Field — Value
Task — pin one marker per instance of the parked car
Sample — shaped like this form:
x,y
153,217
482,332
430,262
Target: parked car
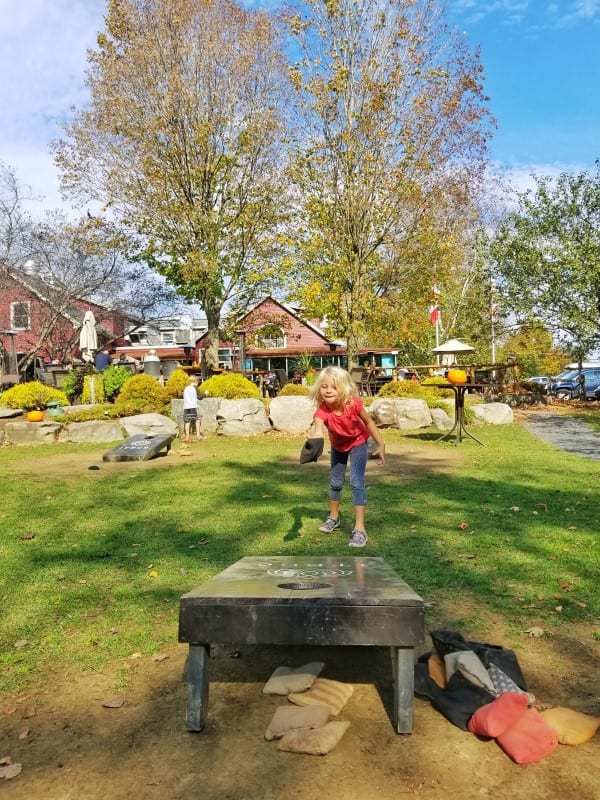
x,y
538,383
568,387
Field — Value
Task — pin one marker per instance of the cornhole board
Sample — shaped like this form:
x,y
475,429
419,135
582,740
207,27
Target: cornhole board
x,y
285,600
140,447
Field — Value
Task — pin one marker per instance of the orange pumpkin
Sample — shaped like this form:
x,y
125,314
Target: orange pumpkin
x,y
35,416
457,376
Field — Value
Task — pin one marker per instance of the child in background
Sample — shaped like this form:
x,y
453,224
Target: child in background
x,y
190,410
349,427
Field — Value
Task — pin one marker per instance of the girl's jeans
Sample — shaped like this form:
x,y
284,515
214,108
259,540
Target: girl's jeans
x,y
358,465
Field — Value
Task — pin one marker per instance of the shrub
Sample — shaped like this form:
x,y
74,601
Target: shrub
x,y
114,378
430,394
98,412
231,386
291,389
32,395
86,391
142,394
176,383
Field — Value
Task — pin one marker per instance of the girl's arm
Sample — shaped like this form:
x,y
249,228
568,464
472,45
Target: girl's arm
x,y
374,432
318,427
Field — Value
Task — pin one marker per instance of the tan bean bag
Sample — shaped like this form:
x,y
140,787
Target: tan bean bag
x,y
287,679
332,694
572,727
316,742
290,718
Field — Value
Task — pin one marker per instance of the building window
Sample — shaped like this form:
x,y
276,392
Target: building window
x,y
167,337
270,337
20,316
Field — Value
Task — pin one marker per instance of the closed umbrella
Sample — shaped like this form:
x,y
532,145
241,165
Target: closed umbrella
x,y
88,338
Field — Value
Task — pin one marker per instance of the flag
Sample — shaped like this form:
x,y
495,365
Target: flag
x,y
434,314
435,291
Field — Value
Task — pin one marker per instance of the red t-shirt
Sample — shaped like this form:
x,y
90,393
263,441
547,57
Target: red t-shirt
x,y
346,430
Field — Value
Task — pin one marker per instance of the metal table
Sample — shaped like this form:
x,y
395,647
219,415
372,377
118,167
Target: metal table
x,y
281,600
459,426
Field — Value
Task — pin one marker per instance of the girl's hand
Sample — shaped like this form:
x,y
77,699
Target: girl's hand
x,y
379,454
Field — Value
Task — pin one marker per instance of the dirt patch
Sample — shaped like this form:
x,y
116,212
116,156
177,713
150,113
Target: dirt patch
x,y
71,746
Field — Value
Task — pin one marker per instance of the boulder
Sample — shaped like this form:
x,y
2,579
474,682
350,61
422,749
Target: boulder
x,y
291,414
406,413
246,417
9,413
91,431
493,413
148,424
441,419
21,433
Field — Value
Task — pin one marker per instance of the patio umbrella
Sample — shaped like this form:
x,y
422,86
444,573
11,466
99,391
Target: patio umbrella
x,y
453,346
88,338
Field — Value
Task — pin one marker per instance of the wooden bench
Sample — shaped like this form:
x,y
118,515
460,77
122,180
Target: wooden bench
x,y
140,447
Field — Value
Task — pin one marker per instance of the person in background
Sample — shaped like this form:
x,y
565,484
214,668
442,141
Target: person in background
x,y
349,427
190,410
103,359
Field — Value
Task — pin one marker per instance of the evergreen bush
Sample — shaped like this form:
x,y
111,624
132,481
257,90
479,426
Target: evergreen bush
x,y
230,386
176,383
293,389
86,391
142,394
32,395
114,377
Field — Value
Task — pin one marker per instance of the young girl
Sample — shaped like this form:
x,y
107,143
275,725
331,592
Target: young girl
x,y
349,427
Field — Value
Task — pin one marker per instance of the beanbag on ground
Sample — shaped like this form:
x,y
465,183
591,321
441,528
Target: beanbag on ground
x,y
530,739
315,743
572,727
287,679
436,668
290,718
470,666
332,694
495,718
502,683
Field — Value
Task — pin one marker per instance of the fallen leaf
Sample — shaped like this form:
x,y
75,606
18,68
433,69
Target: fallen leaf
x,y
159,657
8,710
566,586
514,508
27,536
25,734
559,609
28,712
153,574
115,702
543,505
11,770
135,655
572,528
580,604
463,526
20,644
535,631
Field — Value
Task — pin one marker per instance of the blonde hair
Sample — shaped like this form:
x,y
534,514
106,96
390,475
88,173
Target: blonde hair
x,y
194,380
341,380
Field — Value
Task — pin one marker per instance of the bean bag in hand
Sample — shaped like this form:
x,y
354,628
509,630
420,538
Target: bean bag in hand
x,y
312,449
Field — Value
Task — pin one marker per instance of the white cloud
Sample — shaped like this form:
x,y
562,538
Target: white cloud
x,y
42,62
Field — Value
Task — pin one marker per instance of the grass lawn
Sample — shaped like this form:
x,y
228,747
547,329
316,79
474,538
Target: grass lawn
x,y
93,564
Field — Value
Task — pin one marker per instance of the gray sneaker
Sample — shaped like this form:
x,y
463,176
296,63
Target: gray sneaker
x,y
358,539
330,525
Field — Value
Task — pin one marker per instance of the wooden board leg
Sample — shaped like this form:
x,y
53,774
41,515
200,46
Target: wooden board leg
x,y
404,688
197,687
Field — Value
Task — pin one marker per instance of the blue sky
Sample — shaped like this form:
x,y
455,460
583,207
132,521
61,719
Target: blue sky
x,y
541,61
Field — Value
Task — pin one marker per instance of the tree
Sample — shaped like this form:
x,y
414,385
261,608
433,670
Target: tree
x,y
394,130
547,256
182,142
